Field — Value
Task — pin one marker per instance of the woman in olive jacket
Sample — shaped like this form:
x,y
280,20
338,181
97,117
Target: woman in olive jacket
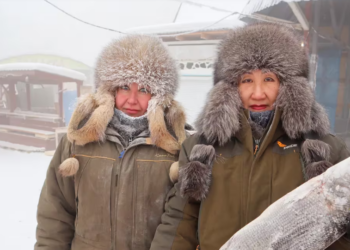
x,y
260,135
107,182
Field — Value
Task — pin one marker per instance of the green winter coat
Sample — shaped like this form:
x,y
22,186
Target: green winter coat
x,y
111,203
95,197
243,185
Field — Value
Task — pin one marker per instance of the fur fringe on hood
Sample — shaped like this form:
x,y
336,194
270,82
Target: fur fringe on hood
x,y
136,58
268,47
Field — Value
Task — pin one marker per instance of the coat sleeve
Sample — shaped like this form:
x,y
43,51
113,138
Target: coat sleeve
x,y
339,152
178,228
56,208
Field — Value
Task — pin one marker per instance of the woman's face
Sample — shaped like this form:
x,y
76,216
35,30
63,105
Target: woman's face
x,y
258,90
132,99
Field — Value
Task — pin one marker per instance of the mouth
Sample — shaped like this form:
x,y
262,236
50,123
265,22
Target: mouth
x,y
132,111
258,107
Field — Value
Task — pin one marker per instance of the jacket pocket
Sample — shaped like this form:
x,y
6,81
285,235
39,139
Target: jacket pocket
x,y
82,164
151,186
93,202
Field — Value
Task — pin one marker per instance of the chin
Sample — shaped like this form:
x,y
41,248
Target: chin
x,y
259,110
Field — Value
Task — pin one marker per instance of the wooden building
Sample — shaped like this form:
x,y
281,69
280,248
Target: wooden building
x,y
32,102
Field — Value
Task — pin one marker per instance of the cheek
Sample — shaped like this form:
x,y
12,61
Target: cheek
x,y
243,93
120,101
273,93
143,101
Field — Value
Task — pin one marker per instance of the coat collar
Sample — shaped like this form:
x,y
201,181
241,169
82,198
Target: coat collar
x,y
220,119
274,131
98,109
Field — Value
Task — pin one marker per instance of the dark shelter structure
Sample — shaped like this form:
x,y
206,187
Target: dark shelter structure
x,y
32,102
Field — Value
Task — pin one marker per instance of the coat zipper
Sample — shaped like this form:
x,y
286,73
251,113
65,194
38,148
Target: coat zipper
x,y
257,147
257,144
115,190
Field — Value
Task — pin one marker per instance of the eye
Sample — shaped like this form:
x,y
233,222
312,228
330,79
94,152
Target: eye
x,y
125,87
247,80
143,90
269,79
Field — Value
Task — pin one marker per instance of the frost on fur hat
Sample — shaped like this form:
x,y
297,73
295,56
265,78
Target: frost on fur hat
x,y
132,59
267,47
137,59
263,46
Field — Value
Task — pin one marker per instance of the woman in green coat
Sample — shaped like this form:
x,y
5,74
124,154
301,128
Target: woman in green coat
x,y
107,182
260,135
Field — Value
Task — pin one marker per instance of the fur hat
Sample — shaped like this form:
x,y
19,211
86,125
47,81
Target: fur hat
x,y
138,59
132,59
274,48
267,47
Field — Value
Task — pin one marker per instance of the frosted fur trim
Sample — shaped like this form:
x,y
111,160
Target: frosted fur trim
x,y
99,110
268,47
137,59
159,132
174,172
195,176
219,120
69,167
316,168
315,150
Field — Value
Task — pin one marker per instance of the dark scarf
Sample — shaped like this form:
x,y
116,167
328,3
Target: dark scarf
x,y
128,127
259,121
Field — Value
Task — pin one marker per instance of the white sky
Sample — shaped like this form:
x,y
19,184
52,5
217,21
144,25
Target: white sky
x,y
34,26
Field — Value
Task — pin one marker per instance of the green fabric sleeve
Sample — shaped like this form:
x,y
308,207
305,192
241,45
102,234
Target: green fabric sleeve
x,y
178,228
56,208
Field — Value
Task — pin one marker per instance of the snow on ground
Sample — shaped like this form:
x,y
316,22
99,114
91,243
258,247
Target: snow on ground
x,y
21,178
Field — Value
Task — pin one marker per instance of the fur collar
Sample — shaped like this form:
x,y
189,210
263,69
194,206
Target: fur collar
x,y
98,110
219,121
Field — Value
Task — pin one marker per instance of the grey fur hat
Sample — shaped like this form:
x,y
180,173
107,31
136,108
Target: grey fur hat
x,y
137,59
264,46
268,47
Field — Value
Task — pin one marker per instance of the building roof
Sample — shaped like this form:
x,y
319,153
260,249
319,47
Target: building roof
x,y
46,68
254,6
189,31
176,28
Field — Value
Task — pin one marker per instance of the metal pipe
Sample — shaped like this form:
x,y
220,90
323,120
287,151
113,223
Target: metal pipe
x,y
314,46
347,82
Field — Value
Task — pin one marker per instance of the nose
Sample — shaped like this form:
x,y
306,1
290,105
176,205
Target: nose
x,y
132,98
258,91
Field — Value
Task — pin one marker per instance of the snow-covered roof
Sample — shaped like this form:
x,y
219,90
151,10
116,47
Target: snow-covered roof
x,y
257,5
43,68
176,28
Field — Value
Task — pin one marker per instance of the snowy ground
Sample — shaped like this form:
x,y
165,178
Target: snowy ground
x,y
21,178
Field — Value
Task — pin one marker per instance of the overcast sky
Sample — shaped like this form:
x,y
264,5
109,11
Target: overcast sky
x,y
34,26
